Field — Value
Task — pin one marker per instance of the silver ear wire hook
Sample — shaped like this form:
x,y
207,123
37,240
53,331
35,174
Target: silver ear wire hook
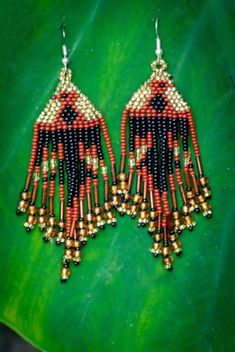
x,y
158,50
65,59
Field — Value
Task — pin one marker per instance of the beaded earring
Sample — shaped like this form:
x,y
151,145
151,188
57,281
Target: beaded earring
x,y
161,163
67,145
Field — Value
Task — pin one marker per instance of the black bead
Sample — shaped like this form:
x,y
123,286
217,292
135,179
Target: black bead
x,y
66,263
179,254
170,269
69,115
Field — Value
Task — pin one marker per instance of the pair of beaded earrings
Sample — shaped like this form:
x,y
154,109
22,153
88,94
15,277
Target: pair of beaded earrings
x,y
155,186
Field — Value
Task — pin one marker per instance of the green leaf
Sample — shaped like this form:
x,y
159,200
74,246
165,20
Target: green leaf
x,y
120,298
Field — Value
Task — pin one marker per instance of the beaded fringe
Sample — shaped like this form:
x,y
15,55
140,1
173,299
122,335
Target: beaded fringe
x,y
67,147
161,164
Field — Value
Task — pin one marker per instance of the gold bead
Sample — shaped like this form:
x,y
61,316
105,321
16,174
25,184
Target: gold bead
x,y
166,251
100,221
83,239
23,205
41,222
173,236
178,224
25,195
175,215
189,222
32,209
61,224
132,211
122,187
81,224
200,198
60,237
68,243
76,257
152,214
76,244
203,181
158,237
91,229
156,248
114,189
151,226
82,232
89,217
190,194
206,192
144,205
107,206
137,198
31,220
176,246
110,218
97,210
143,217
104,170
42,211
52,221
68,254
123,207
185,209
50,232
167,262
127,196
192,205
65,273
122,176
115,201
205,209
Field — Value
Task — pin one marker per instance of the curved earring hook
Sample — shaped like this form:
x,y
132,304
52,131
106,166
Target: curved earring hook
x,y
65,59
158,50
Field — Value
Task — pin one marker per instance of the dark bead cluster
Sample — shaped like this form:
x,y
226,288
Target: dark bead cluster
x,y
98,143
86,137
131,134
162,132
61,161
159,158
143,127
158,103
71,163
155,153
68,114
184,130
40,148
54,140
175,129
